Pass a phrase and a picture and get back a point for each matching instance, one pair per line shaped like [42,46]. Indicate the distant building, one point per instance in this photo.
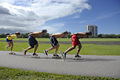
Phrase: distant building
[93,29]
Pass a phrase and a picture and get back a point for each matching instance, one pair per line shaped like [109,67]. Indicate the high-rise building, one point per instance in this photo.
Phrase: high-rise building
[93,29]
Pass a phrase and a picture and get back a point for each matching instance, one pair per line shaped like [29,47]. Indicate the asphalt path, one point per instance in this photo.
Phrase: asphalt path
[89,65]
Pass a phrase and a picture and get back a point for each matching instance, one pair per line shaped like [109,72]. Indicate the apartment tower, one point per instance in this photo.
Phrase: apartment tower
[93,29]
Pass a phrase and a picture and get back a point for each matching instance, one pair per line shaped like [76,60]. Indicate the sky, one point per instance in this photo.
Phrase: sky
[59,15]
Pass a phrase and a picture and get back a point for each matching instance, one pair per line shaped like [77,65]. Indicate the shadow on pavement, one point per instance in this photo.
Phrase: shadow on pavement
[38,57]
[68,59]
[89,60]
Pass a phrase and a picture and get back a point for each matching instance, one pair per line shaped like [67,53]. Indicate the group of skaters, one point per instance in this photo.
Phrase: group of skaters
[33,43]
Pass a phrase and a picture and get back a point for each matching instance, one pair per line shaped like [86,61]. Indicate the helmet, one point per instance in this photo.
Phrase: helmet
[18,33]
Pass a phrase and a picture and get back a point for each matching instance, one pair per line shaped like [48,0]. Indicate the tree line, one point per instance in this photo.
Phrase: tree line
[108,36]
[25,35]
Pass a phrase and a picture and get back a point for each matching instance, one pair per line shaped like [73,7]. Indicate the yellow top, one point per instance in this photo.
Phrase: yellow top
[10,37]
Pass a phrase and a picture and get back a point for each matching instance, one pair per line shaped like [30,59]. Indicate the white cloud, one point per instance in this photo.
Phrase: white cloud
[54,28]
[30,14]
[7,1]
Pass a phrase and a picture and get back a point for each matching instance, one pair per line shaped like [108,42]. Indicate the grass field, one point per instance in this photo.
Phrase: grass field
[68,39]
[17,74]
[87,49]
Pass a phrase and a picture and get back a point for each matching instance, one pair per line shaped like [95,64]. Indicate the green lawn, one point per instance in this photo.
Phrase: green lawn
[17,74]
[87,49]
[68,39]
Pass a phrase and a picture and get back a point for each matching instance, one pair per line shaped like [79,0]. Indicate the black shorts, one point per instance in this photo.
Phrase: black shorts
[53,41]
[32,41]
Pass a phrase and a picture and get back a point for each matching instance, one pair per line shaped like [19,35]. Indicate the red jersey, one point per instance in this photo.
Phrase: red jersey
[75,40]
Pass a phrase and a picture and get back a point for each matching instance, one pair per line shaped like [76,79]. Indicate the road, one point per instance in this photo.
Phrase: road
[90,65]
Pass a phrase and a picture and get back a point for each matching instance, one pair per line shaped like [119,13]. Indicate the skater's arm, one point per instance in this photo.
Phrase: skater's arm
[59,35]
[36,34]
[82,34]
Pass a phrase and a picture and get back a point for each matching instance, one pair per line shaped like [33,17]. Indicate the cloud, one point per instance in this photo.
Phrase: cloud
[28,15]
[9,30]
[4,11]
[54,28]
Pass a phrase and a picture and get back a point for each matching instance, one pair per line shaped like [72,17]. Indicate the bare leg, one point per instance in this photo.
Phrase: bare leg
[79,48]
[11,43]
[51,48]
[27,50]
[46,51]
[69,49]
[7,46]
[57,47]
[35,49]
